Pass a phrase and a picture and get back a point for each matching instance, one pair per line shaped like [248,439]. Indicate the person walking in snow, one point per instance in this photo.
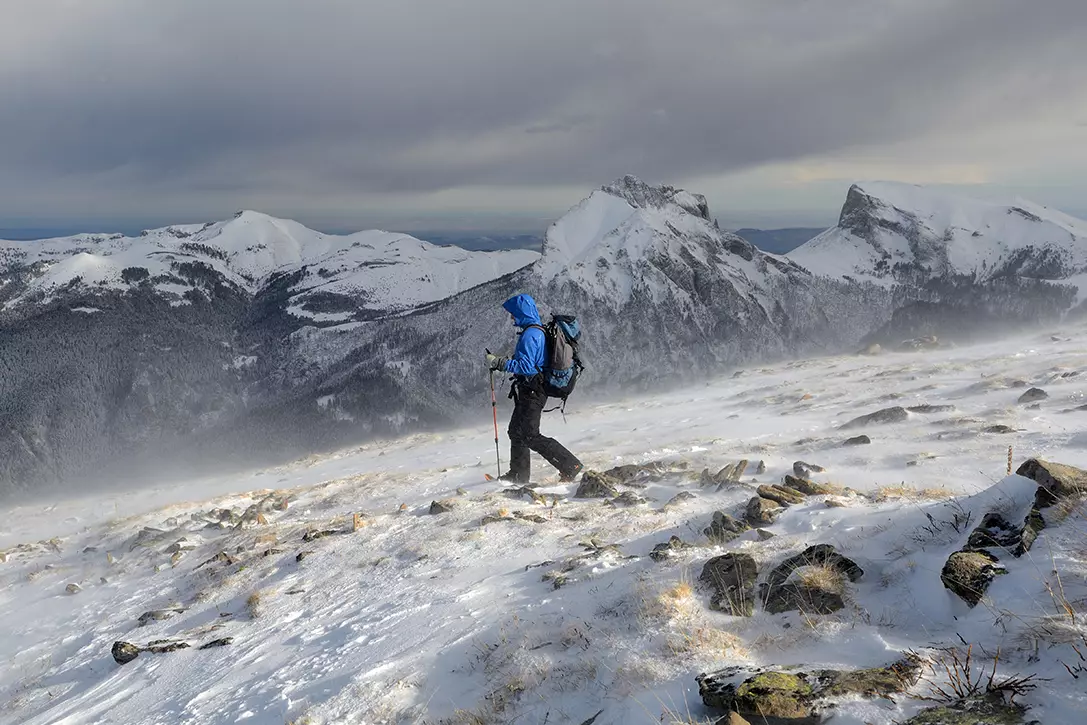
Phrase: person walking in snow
[529,398]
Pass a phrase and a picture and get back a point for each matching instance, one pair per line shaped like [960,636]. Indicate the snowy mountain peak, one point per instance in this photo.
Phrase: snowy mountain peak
[893,232]
[641,195]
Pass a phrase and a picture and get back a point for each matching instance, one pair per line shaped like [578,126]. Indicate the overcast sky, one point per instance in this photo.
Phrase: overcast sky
[503,113]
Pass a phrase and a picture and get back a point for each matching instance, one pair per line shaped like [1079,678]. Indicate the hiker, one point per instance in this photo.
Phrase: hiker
[527,392]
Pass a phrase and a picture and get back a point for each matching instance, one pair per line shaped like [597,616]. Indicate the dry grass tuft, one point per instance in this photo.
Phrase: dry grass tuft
[826,578]
[254,604]
[910,493]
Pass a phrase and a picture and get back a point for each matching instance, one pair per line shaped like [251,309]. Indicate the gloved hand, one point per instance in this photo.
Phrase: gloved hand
[494,362]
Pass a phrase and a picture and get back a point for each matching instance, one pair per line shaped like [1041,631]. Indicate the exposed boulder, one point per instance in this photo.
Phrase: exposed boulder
[996,532]
[668,548]
[979,711]
[808,488]
[442,507]
[861,440]
[724,528]
[596,485]
[761,511]
[1055,481]
[804,470]
[968,574]
[1033,395]
[124,652]
[880,417]
[731,577]
[781,494]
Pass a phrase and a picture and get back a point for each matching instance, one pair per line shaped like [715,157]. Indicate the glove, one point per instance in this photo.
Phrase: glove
[494,362]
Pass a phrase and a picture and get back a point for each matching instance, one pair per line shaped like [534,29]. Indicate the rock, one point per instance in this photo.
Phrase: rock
[979,711]
[73,588]
[667,549]
[157,615]
[874,349]
[818,555]
[762,511]
[927,342]
[314,534]
[164,646]
[761,468]
[802,598]
[733,718]
[724,528]
[808,488]
[679,498]
[995,531]
[871,682]
[595,485]
[124,652]
[804,470]
[494,518]
[442,507]
[1033,395]
[627,498]
[732,579]
[887,415]
[861,440]
[218,643]
[222,557]
[764,534]
[637,475]
[998,429]
[968,574]
[530,516]
[1055,481]
[795,698]
[1019,384]
[930,408]
[781,494]
[836,503]
[302,555]
[523,492]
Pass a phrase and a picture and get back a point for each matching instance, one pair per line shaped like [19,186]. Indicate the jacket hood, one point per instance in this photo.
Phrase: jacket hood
[523,309]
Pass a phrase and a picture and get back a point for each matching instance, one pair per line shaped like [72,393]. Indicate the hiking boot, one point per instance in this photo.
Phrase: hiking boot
[512,478]
[572,473]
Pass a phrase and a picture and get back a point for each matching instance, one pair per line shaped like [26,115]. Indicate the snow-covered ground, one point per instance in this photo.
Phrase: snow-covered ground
[536,617]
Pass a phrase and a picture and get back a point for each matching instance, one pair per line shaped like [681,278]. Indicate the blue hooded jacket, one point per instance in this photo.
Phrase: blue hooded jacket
[531,354]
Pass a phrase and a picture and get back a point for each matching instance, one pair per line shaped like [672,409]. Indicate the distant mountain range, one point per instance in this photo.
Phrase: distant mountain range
[779,241]
[255,337]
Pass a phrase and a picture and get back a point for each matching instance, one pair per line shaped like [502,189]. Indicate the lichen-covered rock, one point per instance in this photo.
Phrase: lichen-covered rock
[124,652]
[968,574]
[732,579]
[871,682]
[781,494]
[775,694]
[761,511]
[797,597]
[982,711]
[809,488]
[1055,481]
[596,485]
[724,528]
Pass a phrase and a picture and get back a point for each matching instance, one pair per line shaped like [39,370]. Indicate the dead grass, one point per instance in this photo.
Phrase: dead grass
[254,604]
[825,578]
[689,631]
[911,493]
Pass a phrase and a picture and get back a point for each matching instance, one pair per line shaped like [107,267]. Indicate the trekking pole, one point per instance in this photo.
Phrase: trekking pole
[494,412]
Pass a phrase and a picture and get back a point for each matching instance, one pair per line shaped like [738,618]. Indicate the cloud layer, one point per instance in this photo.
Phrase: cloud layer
[182,105]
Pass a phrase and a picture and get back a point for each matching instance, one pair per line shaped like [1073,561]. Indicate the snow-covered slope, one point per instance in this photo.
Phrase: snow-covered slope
[511,609]
[892,232]
[374,270]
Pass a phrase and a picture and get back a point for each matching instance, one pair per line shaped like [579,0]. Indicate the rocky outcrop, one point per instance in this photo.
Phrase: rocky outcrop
[724,528]
[762,511]
[798,697]
[1055,481]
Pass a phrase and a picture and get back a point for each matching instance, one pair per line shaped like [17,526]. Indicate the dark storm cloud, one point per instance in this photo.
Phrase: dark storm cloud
[177,97]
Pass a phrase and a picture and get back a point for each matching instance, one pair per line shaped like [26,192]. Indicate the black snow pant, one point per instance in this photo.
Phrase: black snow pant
[525,436]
